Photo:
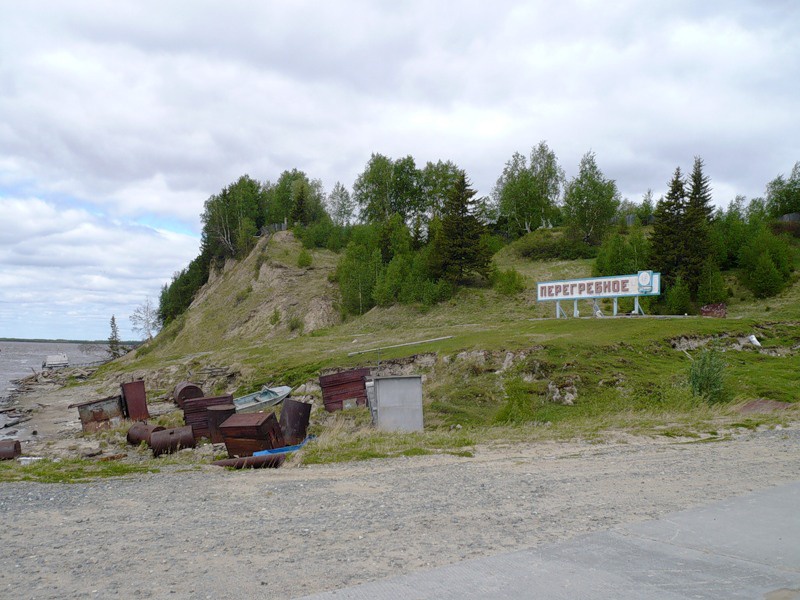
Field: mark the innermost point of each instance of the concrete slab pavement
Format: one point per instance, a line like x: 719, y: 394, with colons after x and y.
x: 744, y: 547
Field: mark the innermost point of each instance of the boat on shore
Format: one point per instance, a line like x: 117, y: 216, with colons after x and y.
x: 55, y: 361
x: 267, y: 397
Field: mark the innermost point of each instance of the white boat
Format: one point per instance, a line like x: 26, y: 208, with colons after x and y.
x: 260, y: 400
x: 55, y: 361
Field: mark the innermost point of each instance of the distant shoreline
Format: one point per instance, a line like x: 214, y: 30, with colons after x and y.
x: 61, y: 341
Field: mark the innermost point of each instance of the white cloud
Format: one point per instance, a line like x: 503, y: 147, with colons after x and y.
x: 135, y: 112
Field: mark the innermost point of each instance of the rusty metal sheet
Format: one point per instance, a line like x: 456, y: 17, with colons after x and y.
x: 134, y: 397
x: 171, y: 440
x: 186, y: 390
x: 294, y: 421
x: 99, y: 414
x: 340, y: 387
x: 141, y: 432
x: 195, y: 412
x: 251, y: 462
x: 10, y: 449
x: 216, y: 416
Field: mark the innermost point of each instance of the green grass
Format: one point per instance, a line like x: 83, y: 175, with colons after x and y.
x: 627, y: 374
x: 68, y: 471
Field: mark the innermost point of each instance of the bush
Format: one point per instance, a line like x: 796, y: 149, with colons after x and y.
x: 295, y: 323
x: 712, y: 286
x: 679, y: 300
x: 304, y: 259
x: 543, y: 244
x: 707, y: 377
x: 765, y: 280
x: 275, y: 317
x: 509, y: 282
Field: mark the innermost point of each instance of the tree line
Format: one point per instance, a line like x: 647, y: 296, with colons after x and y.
x: 414, y: 234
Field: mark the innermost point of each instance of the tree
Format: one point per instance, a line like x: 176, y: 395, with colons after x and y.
x: 783, y: 195
x: 645, y: 210
x: 144, y: 319
x: 372, y: 189
x: 114, y: 343
x: 679, y: 301
x: 765, y: 280
x: 341, y: 205
x: 527, y: 193
x: 459, y: 247
x: 667, y: 238
x: 590, y: 202
x: 696, y: 229
x: 438, y: 181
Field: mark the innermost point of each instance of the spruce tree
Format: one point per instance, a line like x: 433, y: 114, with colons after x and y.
x: 114, y: 344
x: 668, y: 236
x: 459, y: 248
x: 696, y: 230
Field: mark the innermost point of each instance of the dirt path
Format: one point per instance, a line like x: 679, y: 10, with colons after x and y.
x: 285, y: 533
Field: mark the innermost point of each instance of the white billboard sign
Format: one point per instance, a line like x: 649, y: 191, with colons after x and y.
x: 644, y: 283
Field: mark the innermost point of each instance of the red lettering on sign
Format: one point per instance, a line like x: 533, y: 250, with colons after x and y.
x: 550, y: 290
x: 624, y: 285
x: 615, y: 286
x: 581, y: 288
x: 606, y: 287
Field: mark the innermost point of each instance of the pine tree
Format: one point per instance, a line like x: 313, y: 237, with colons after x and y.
x: 696, y: 230
x: 668, y: 236
x: 114, y: 344
x: 459, y: 248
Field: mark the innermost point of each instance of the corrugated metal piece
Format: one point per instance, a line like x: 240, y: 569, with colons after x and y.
x: 185, y: 391
x: 141, y: 432
x: 97, y: 414
x: 398, y: 403
x: 251, y: 462
x: 195, y: 412
x: 135, y: 400
x: 347, y: 385
x: 10, y: 449
x: 216, y: 416
x: 294, y: 421
x: 171, y: 440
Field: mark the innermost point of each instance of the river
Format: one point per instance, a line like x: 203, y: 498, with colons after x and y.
x: 20, y: 359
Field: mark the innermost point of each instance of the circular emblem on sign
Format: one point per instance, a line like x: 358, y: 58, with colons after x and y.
x: 644, y: 278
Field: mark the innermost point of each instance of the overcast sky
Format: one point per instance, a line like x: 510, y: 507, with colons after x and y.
x: 118, y: 119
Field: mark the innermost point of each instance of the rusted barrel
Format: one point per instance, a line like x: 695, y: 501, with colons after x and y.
x: 9, y: 449
x: 251, y: 462
x: 294, y: 421
x: 141, y: 432
x: 171, y: 440
x: 216, y: 416
x: 185, y: 390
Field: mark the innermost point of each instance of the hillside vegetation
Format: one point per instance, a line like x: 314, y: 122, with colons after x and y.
x: 264, y: 320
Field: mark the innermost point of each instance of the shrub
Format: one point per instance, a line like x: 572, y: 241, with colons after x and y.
x: 712, y: 286
x: 304, y: 259
x: 678, y: 299
x: 543, y: 244
x: 707, y: 377
x: 765, y: 280
x: 295, y: 323
x: 275, y: 317
x: 242, y: 295
x: 509, y: 282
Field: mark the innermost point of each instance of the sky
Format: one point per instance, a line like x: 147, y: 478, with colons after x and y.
x: 119, y: 119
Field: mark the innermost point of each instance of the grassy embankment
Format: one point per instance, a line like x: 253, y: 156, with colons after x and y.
x: 629, y: 377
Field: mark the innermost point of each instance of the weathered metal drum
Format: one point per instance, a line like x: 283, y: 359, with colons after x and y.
x: 9, y: 449
x: 185, y: 390
x: 216, y: 416
x: 171, y: 440
x: 141, y: 432
x: 294, y: 421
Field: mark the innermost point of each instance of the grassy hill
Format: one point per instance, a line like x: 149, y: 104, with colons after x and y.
x: 265, y: 320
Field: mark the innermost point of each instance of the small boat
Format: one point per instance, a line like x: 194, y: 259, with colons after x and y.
x: 260, y: 400
x: 55, y: 361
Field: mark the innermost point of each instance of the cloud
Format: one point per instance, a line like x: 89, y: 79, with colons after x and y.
x: 131, y: 113
x: 59, y: 264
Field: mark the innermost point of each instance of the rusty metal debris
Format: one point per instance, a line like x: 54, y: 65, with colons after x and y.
x: 100, y: 414
x: 134, y: 399
x: 216, y: 416
x: 142, y: 432
x: 245, y: 433
x: 195, y: 412
x: 252, y: 462
x: 294, y: 420
x: 337, y: 388
x: 10, y: 449
x: 171, y: 440
x: 185, y: 391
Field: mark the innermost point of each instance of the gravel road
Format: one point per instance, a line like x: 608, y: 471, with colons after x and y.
x: 289, y: 532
